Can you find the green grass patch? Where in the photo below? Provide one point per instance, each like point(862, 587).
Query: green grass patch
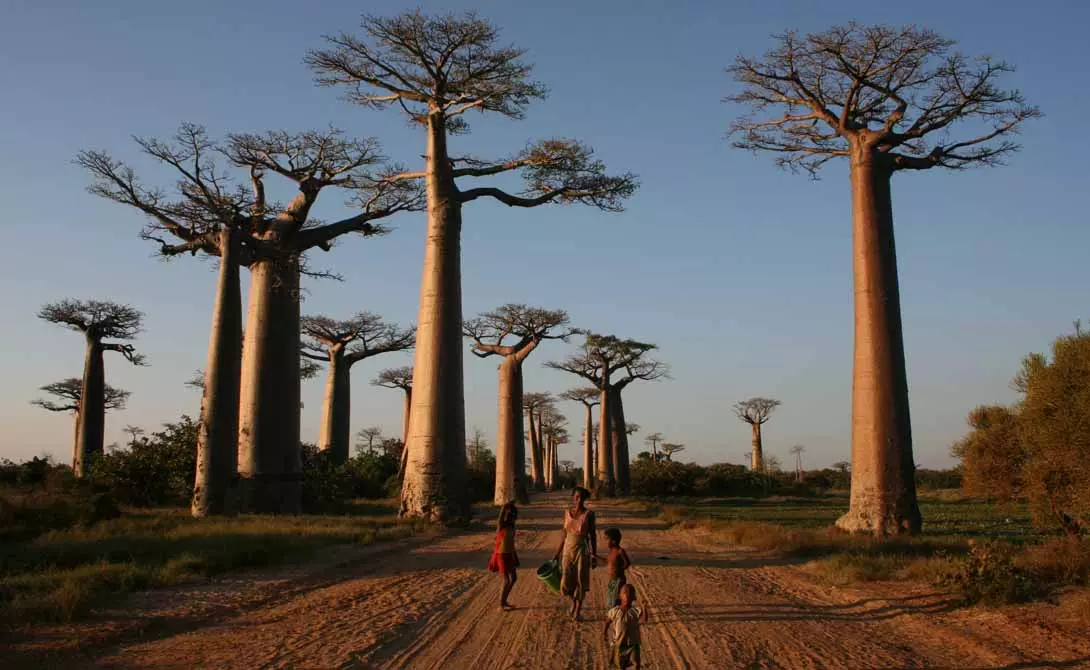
point(61, 575)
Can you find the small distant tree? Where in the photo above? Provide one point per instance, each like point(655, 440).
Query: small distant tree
point(797, 452)
point(342, 344)
point(366, 439)
point(888, 99)
point(654, 439)
point(513, 332)
point(756, 412)
point(435, 69)
point(671, 448)
point(589, 397)
point(476, 446)
point(399, 378)
point(68, 393)
point(98, 321)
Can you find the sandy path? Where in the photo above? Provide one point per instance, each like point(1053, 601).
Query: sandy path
point(432, 605)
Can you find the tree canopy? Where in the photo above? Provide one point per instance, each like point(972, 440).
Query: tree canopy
point(69, 393)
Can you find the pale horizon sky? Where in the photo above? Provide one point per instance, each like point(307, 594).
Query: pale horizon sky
point(740, 272)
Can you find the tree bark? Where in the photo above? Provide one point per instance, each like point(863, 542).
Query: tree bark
point(537, 466)
point(435, 476)
point(757, 457)
point(91, 426)
point(883, 490)
point(588, 449)
point(405, 434)
point(268, 442)
point(217, 432)
point(620, 445)
point(510, 445)
point(336, 409)
point(606, 484)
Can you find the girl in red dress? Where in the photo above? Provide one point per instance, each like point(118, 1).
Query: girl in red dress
point(504, 557)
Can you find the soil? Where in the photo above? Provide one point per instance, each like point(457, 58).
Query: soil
point(429, 603)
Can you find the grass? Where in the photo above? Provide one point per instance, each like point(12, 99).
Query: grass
point(991, 554)
point(62, 575)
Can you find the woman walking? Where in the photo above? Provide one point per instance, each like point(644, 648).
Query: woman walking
point(578, 551)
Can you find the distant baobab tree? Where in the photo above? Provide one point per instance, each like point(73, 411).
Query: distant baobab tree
point(435, 69)
point(534, 404)
point(68, 394)
point(889, 100)
point(797, 452)
point(756, 412)
point(399, 378)
point(671, 448)
point(589, 397)
point(251, 402)
point(653, 440)
point(367, 437)
point(512, 332)
point(98, 321)
point(342, 344)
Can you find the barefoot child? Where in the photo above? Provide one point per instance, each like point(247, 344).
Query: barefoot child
point(504, 557)
point(622, 631)
point(618, 562)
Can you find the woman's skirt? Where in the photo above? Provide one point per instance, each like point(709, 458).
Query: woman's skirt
point(502, 563)
point(575, 568)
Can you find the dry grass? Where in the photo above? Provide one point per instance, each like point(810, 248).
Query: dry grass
point(63, 574)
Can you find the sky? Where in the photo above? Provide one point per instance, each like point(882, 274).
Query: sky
point(738, 271)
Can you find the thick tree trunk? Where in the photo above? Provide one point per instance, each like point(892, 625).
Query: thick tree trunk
point(268, 441)
point(883, 490)
point(405, 434)
point(509, 435)
point(548, 459)
point(588, 449)
point(435, 477)
point(91, 426)
point(757, 457)
point(606, 484)
point(335, 431)
point(217, 432)
point(537, 465)
point(556, 464)
point(620, 445)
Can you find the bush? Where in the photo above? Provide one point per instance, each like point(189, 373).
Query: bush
point(37, 512)
point(153, 470)
point(990, 575)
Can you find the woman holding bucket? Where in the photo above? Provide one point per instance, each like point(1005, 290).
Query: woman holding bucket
point(578, 551)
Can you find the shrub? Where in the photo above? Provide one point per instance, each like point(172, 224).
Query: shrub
point(152, 470)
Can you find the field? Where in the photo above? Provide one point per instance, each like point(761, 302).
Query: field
point(61, 575)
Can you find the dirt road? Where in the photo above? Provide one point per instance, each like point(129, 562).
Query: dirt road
point(430, 604)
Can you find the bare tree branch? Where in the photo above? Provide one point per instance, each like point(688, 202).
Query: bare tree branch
point(755, 411)
point(70, 392)
point(529, 325)
point(363, 336)
point(395, 378)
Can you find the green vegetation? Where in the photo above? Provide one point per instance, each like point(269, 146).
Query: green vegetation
point(59, 575)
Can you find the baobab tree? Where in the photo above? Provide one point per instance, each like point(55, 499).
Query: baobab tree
point(653, 441)
point(366, 439)
point(526, 327)
point(889, 100)
point(210, 213)
point(589, 397)
point(69, 392)
point(98, 321)
point(756, 412)
point(671, 448)
point(797, 451)
point(534, 404)
point(437, 68)
point(399, 378)
point(553, 434)
point(597, 360)
point(342, 344)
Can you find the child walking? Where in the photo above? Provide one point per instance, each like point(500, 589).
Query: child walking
point(622, 631)
point(504, 557)
point(617, 562)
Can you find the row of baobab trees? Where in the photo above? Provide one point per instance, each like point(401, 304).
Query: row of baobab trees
point(890, 100)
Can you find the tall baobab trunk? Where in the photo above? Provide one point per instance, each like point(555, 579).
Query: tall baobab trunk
point(217, 432)
point(268, 442)
point(606, 484)
point(435, 477)
point(555, 467)
point(548, 458)
point(91, 422)
point(537, 466)
point(588, 449)
point(757, 458)
point(883, 490)
point(510, 445)
point(405, 433)
point(335, 431)
point(620, 445)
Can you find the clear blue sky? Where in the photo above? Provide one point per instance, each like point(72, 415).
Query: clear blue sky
point(740, 272)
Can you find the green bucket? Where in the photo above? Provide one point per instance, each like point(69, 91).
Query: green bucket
point(549, 574)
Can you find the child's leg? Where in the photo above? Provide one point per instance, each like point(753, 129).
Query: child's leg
point(508, 584)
